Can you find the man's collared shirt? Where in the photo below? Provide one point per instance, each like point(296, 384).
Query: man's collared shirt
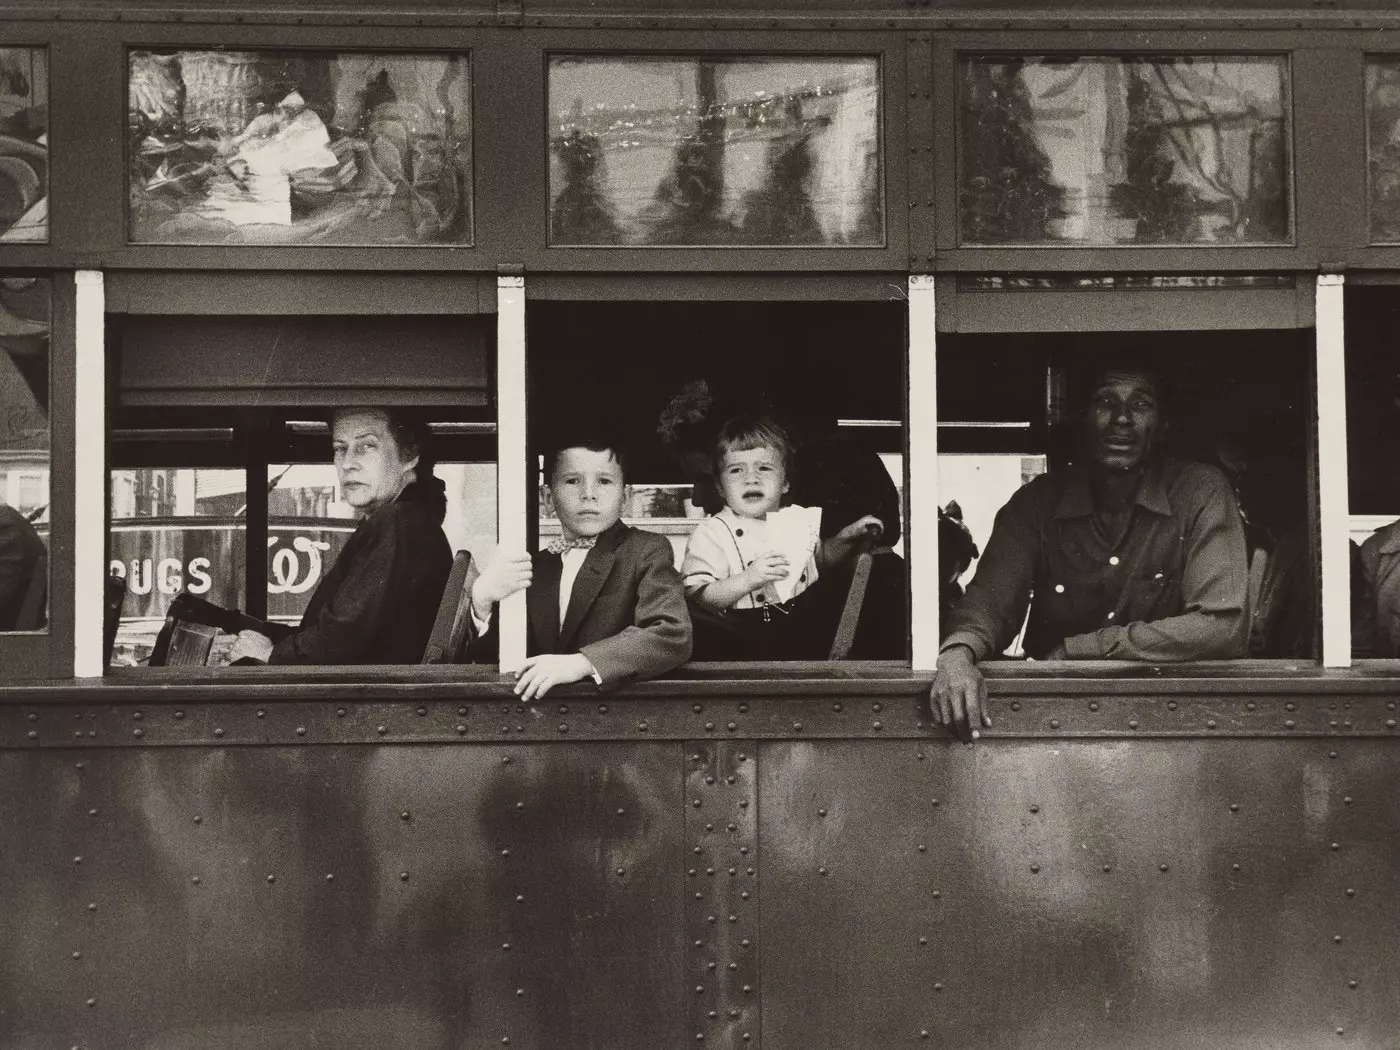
point(1174, 587)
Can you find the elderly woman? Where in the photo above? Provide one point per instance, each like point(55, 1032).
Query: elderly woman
point(377, 603)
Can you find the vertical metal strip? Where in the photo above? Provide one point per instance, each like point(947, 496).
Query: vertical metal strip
point(922, 551)
point(1333, 500)
point(513, 500)
point(89, 475)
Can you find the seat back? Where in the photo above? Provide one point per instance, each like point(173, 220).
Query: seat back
point(113, 596)
point(454, 611)
point(33, 610)
point(850, 612)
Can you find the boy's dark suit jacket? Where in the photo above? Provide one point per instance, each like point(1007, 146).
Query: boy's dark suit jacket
point(626, 612)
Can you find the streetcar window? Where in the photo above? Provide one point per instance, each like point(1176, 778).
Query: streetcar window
point(1106, 149)
point(753, 150)
point(299, 147)
point(667, 376)
point(24, 452)
point(1013, 407)
point(24, 145)
point(222, 483)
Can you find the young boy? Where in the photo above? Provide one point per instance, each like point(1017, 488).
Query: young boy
point(604, 601)
point(750, 564)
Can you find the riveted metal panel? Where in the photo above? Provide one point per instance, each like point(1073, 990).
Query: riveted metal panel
point(721, 888)
point(1058, 715)
point(1080, 894)
point(378, 897)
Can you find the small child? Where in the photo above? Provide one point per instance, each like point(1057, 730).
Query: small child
point(604, 600)
point(748, 569)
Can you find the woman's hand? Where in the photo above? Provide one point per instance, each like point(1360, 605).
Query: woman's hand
point(252, 645)
point(506, 574)
point(869, 524)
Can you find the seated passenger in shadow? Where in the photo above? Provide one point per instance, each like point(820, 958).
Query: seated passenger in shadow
point(604, 602)
point(957, 550)
point(753, 569)
point(377, 603)
point(22, 555)
point(1128, 554)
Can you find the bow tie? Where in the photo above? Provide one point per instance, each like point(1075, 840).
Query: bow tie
point(567, 543)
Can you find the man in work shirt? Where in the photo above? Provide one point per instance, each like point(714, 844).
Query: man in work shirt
point(1127, 555)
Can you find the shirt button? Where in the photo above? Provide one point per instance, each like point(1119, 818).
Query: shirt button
point(802, 578)
point(1110, 616)
point(1158, 576)
point(1059, 588)
point(1113, 560)
point(738, 532)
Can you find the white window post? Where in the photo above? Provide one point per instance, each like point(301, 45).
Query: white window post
point(1333, 500)
point(513, 500)
point(922, 549)
point(89, 476)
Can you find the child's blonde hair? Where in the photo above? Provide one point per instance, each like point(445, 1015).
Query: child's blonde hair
point(743, 433)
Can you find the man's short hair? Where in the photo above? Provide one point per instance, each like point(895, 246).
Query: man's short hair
point(592, 438)
point(1125, 362)
point(743, 433)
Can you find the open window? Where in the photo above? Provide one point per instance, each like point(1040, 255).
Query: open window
point(221, 478)
point(666, 376)
point(1015, 403)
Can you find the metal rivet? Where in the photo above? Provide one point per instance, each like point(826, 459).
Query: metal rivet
point(1163, 867)
point(743, 757)
point(1132, 723)
point(919, 754)
point(260, 713)
point(602, 709)
point(877, 725)
point(1015, 705)
point(743, 709)
point(1035, 869)
point(797, 727)
point(1093, 705)
point(698, 708)
point(77, 955)
point(876, 707)
point(137, 732)
point(821, 812)
point(933, 801)
point(32, 735)
point(1234, 807)
point(1107, 868)
point(563, 727)
point(1331, 754)
point(505, 760)
point(381, 730)
point(92, 812)
point(181, 714)
point(506, 946)
point(938, 986)
point(92, 906)
point(1351, 984)
point(520, 898)
point(218, 731)
point(709, 726)
point(1035, 809)
point(461, 729)
point(1210, 724)
point(1346, 800)
point(403, 876)
point(1171, 705)
point(330, 876)
point(937, 894)
point(923, 940)
point(340, 712)
point(731, 726)
point(922, 848)
point(1054, 723)
point(1336, 938)
point(137, 715)
point(744, 943)
point(695, 802)
point(837, 708)
point(405, 815)
point(194, 879)
point(301, 730)
point(1336, 846)
point(199, 820)
point(505, 853)
point(621, 871)
point(1289, 724)
point(92, 1002)
point(821, 871)
point(1351, 892)
point(642, 727)
point(1250, 705)
point(743, 803)
point(272, 878)
point(1234, 867)
point(77, 860)
point(462, 711)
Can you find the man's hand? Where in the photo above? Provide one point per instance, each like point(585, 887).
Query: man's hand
point(542, 673)
point(959, 693)
point(765, 568)
point(251, 645)
point(506, 574)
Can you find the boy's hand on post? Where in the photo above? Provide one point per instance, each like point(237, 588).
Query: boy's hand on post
point(959, 693)
point(542, 673)
point(506, 574)
point(765, 568)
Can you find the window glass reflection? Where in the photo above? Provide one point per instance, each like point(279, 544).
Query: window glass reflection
point(24, 453)
point(688, 151)
point(1383, 145)
point(1123, 150)
point(24, 144)
point(269, 147)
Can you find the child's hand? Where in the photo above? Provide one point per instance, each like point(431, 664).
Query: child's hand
point(542, 673)
point(506, 574)
point(764, 569)
point(869, 524)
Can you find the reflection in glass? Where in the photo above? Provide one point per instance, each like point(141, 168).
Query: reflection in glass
point(1123, 150)
point(24, 453)
point(172, 530)
point(1383, 145)
point(268, 147)
point(687, 151)
point(24, 144)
